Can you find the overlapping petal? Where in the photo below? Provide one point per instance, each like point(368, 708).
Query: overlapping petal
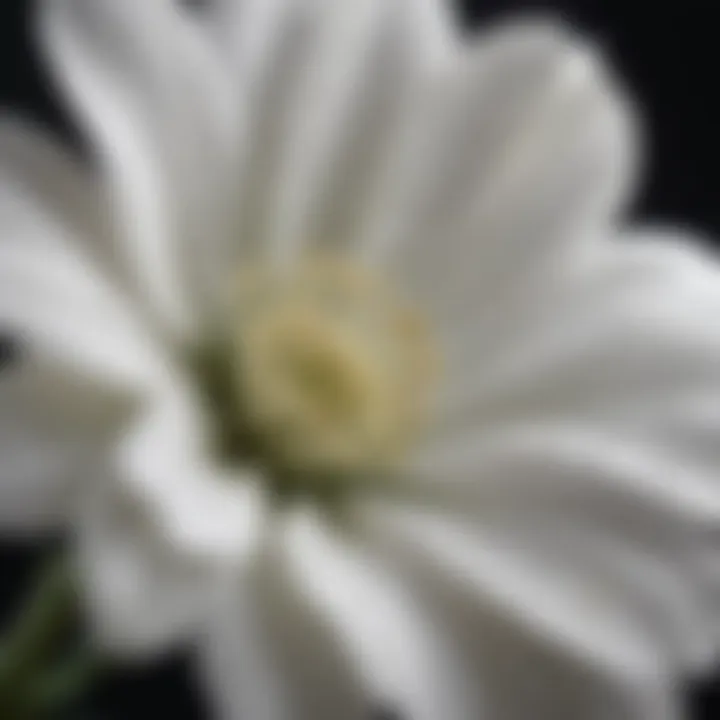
point(548, 551)
point(84, 364)
point(155, 99)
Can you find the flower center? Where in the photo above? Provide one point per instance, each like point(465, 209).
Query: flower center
point(328, 372)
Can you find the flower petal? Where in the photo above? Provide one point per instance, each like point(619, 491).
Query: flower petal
point(53, 295)
point(249, 30)
point(156, 101)
point(603, 499)
point(32, 161)
point(270, 655)
point(543, 640)
point(164, 462)
point(402, 653)
point(142, 597)
point(51, 434)
point(581, 461)
point(324, 85)
point(626, 341)
point(523, 147)
point(83, 365)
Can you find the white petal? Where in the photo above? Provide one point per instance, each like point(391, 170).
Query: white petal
point(156, 101)
point(54, 427)
point(543, 641)
point(405, 659)
point(251, 31)
point(83, 364)
point(202, 510)
point(578, 458)
point(54, 296)
point(523, 147)
point(616, 506)
point(626, 342)
point(142, 597)
point(271, 656)
point(600, 409)
point(43, 169)
point(324, 85)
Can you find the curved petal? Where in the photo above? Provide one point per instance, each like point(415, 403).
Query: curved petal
point(591, 509)
point(142, 597)
point(54, 428)
point(155, 99)
point(269, 654)
point(523, 148)
point(51, 292)
point(625, 341)
point(325, 86)
point(580, 462)
point(203, 511)
point(248, 29)
point(543, 642)
point(32, 161)
point(402, 653)
point(83, 364)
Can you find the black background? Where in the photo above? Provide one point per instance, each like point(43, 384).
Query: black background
point(667, 53)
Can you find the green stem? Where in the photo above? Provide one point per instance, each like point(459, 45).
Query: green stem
point(67, 682)
point(34, 637)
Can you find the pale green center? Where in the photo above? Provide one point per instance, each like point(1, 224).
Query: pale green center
point(333, 368)
point(329, 372)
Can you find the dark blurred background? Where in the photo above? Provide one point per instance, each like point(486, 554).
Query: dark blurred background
point(669, 56)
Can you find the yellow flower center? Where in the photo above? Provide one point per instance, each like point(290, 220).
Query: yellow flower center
point(332, 370)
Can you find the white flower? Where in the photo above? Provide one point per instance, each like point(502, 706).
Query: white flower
point(342, 335)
